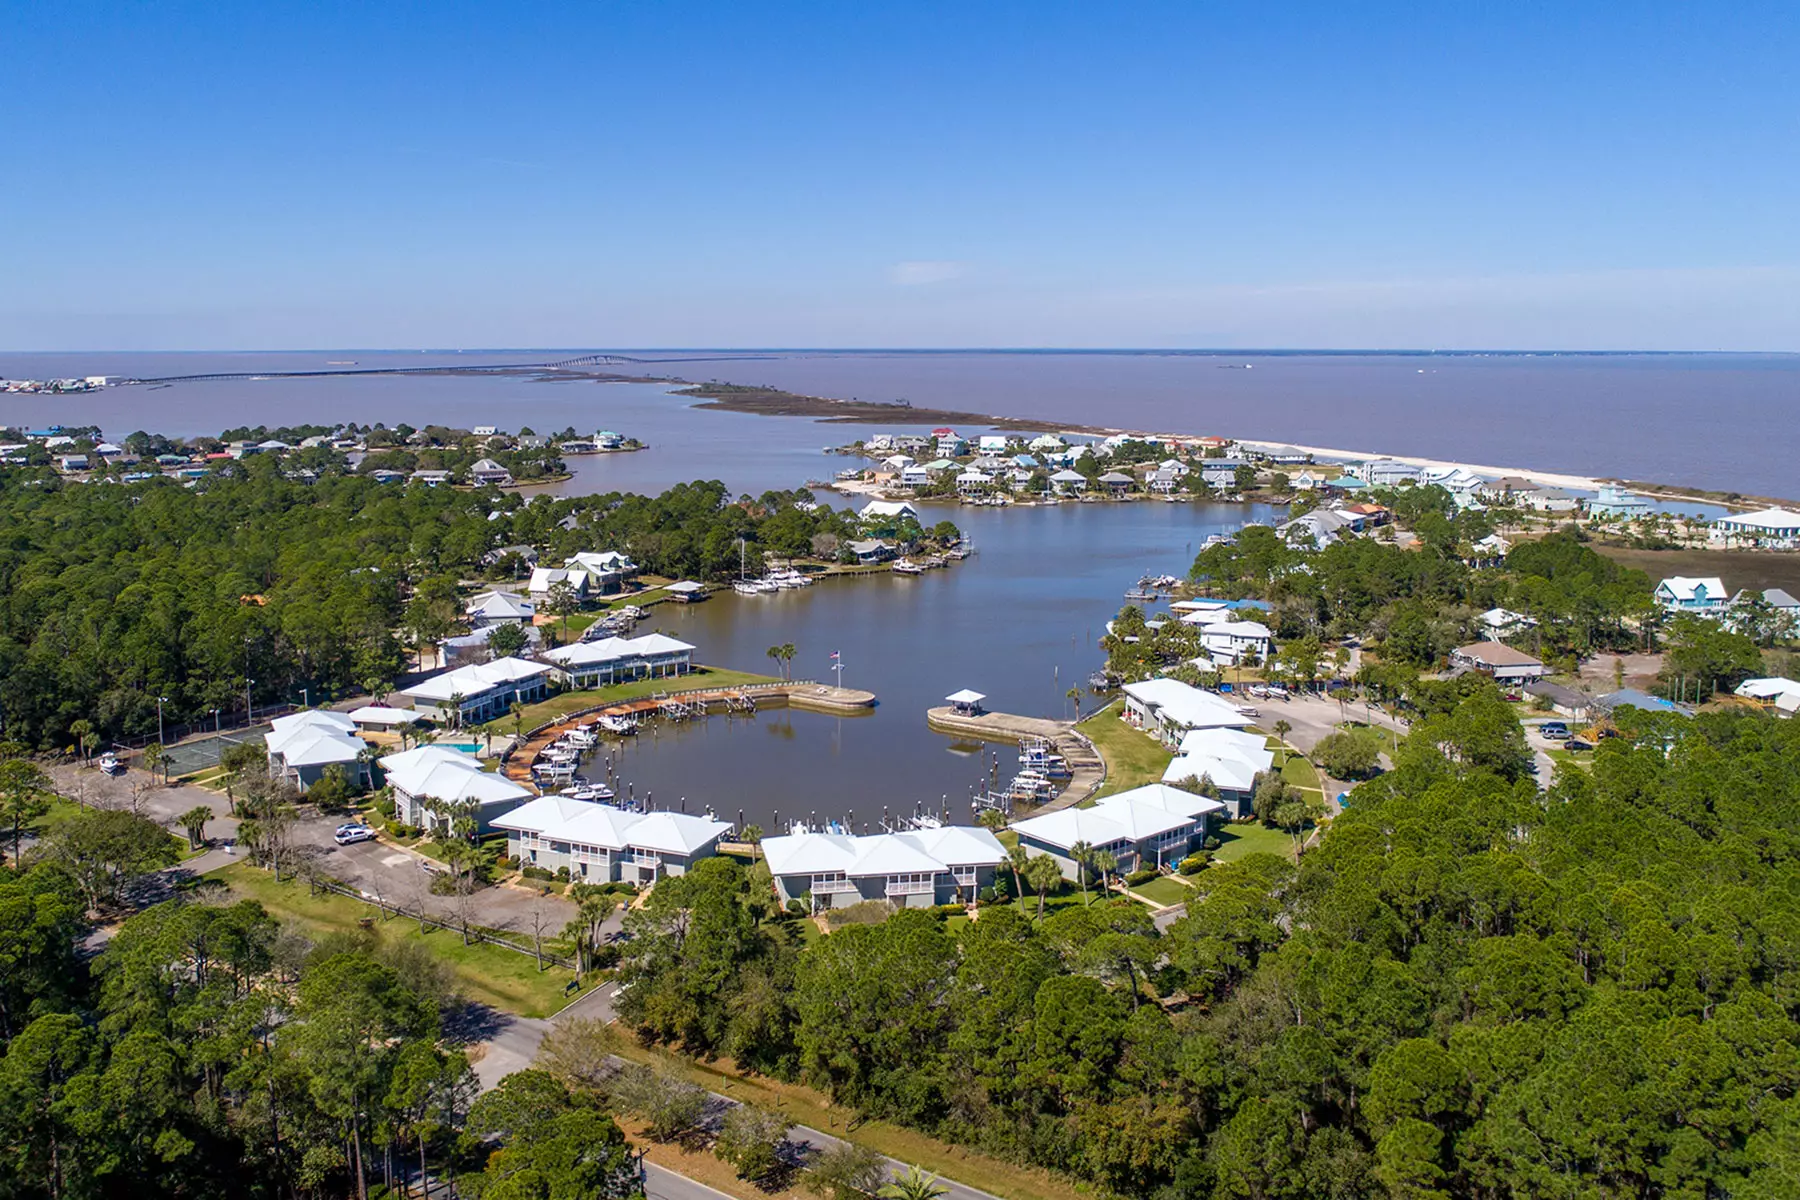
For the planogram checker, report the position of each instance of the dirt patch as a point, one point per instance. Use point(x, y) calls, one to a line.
point(1600, 673)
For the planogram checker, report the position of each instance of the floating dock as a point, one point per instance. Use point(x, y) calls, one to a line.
point(1087, 768)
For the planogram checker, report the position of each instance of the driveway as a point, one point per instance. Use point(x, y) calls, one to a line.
point(144, 792)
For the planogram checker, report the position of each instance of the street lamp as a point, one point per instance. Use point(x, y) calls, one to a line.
point(160, 701)
point(249, 704)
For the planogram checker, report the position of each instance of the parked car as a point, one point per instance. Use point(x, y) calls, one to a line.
point(1553, 730)
point(349, 835)
point(1576, 743)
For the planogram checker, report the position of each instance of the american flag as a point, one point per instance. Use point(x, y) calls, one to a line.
point(834, 654)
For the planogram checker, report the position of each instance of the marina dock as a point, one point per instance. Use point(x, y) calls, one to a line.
point(1088, 770)
point(693, 702)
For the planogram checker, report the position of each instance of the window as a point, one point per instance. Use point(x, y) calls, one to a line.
point(917, 883)
point(963, 875)
point(831, 881)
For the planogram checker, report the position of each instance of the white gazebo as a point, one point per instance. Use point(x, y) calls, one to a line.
point(966, 703)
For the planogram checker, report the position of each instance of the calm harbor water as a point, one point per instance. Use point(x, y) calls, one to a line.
point(1018, 621)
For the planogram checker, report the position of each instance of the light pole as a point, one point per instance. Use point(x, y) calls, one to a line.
point(249, 704)
point(305, 701)
point(160, 701)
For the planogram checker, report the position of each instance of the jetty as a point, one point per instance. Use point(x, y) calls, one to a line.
point(687, 704)
point(1087, 768)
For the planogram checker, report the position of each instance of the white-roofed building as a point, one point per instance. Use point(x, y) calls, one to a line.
point(1154, 825)
point(1235, 641)
point(303, 746)
point(1231, 758)
point(431, 783)
point(1775, 693)
point(1047, 443)
point(1700, 596)
point(1169, 708)
point(617, 659)
point(602, 844)
point(379, 717)
point(1772, 528)
point(590, 573)
point(888, 510)
point(916, 869)
point(1503, 623)
point(480, 692)
point(486, 471)
point(499, 608)
point(967, 702)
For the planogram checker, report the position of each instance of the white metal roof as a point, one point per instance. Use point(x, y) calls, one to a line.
point(966, 696)
point(500, 605)
point(1169, 799)
point(1229, 757)
point(381, 714)
point(474, 680)
point(615, 649)
point(913, 852)
point(590, 824)
point(1684, 587)
point(1185, 706)
point(440, 773)
point(888, 508)
point(1772, 519)
point(316, 746)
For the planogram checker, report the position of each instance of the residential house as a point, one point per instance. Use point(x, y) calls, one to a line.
point(433, 785)
point(1233, 759)
point(949, 445)
point(915, 477)
point(1547, 500)
point(1237, 641)
point(1565, 702)
point(485, 430)
point(431, 478)
point(74, 462)
point(461, 650)
point(919, 868)
point(1047, 443)
point(473, 694)
point(1068, 483)
point(1490, 551)
point(1614, 501)
point(887, 511)
point(1116, 483)
point(1320, 528)
point(601, 844)
point(1168, 709)
point(379, 718)
point(1504, 663)
point(1502, 623)
point(1700, 596)
point(499, 608)
point(1769, 528)
point(303, 746)
point(1779, 695)
point(898, 462)
point(1155, 825)
point(590, 573)
point(616, 659)
point(1633, 698)
point(971, 483)
point(1220, 473)
point(870, 550)
point(1462, 484)
point(1503, 489)
point(992, 443)
point(1387, 472)
point(487, 472)
point(383, 475)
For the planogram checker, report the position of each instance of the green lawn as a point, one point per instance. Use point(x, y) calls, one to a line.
point(574, 701)
point(1165, 890)
point(1300, 773)
point(1132, 758)
point(1238, 841)
point(488, 974)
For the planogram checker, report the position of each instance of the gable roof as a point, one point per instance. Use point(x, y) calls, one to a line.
point(440, 773)
point(1686, 587)
point(474, 680)
point(911, 852)
point(1496, 654)
point(1185, 706)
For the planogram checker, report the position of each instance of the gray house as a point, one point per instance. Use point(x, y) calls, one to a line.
point(601, 844)
point(1150, 826)
point(917, 869)
point(304, 746)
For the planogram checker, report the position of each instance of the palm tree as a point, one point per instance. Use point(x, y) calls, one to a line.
point(992, 820)
point(1042, 873)
point(1020, 862)
point(788, 654)
point(752, 836)
point(155, 759)
point(912, 1184)
point(194, 822)
point(85, 739)
point(1083, 854)
point(1282, 728)
point(1105, 862)
point(1074, 694)
point(775, 656)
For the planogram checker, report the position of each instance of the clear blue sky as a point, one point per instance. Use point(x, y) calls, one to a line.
point(839, 174)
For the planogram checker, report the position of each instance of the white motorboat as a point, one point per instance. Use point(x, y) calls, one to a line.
point(618, 724)
point(745, 587)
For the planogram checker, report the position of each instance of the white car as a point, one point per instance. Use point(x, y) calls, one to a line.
point(349, 835)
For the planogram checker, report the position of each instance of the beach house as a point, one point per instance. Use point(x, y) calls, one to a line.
point(486, 472)
point(498, 608)
point(1698, 596)
point(1769, 528)
point(1614, 502)
point(1068, 483)
point(601, 844)
point(1220, 473)
point(1386, 472)
point(917, 868)
point(432, 785)
point(887, 512)
point(1154, 825)
point(1233, 759)
point(1778, 695)
point(303, 746)
point(1237, 641)
point(472, 694)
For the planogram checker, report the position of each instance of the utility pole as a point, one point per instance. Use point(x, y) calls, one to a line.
point(160, 700)
point(249, 704)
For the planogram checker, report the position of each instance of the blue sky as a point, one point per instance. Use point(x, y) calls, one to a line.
point(611, 174)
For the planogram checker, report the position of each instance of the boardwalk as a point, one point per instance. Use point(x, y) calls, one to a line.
point(1088, 770)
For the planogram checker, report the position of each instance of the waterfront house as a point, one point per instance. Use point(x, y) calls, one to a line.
point(897, 462)
point(887, 512)
point(1502, 623)
point(1237, 641)
point(589, 573)
point(1116, 483)
point(432, 784)
point(1220, 473)
point(1504, 663)
point(1168, 709)
point(915, 869)
point(606, 439)
point(880, 443)
point(915, 477)
point(1047, 443)
point(1154, 825)
point(472, 694)
point(544, 580)
point(1068, 483)
point(1778, 695)
point(616, 659)
point(869, 551)
point(487, 472)
point(1319, 528)
point(431, 478)
point(1769, 528)
point(992, 443)
point(1615, 501)
point(1547, 499)
point(1460, 482)
point(1503, 489)
point(602, 844)
point(1386, 472)
point(1699, 596)
point(499, 608)
point(972, 483)
point(951, 446)
point(1233, 759)
point(303, 746)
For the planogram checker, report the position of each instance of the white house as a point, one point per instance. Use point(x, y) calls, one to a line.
point(1775, 693)
point(431, 783)
point(486, 471)
point(916, 869)
point(480, 692)
point(1386, 472)
point(1772, 528)
point(499, 608)
point(1504, 663)
point(914, 477)
point(992, 443)
point(303, 746)
point(617, 659)
point(1220, 472)
point(1700, 596)
point(589, 573)
point(888, 510)
point(1231, 758)
point(1502, 623)
point(1614, 501)
point(1234, 641)
point(1153, 825)
point(1069, 483)
point(1319, 528)
point(1169, 708)
point(379, 718)
point(601, 844)
point(1047, 443)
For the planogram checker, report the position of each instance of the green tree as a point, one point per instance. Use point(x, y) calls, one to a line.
point(507, 640)
point(24, 797)
point(912, 1184)
point(1044, 876)
point(750, 1140)
point(193, 821)
point(104, 850)
point(844, 1171)
point(554, 1144)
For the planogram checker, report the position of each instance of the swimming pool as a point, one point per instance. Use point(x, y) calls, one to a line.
point(465, 747)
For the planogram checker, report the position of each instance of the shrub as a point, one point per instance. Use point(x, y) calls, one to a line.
point(1141, 875)
point(988, 895)
point(1346, 755)
point(863, 912)
point(534, 871)
point(562, 874)
point(797, 906)
point(1211, 843)
point(750, 1140)
point(1193, 864)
